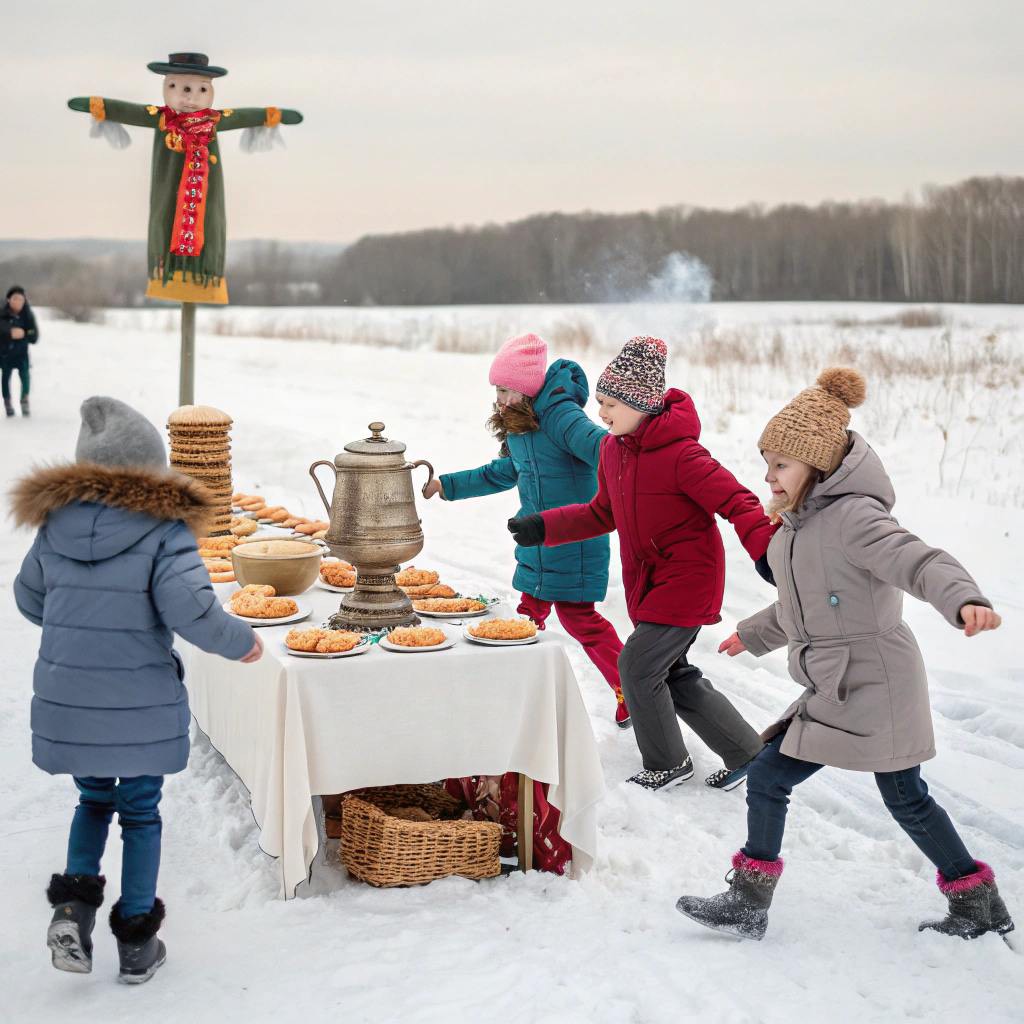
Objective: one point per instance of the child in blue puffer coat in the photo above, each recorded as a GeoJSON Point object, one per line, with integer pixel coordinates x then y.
{"type": "Point", "coordinates": [113, 574]}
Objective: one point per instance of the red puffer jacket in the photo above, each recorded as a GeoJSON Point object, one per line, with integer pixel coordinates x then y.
{"type": "Point", "coordinates": [661, 490]}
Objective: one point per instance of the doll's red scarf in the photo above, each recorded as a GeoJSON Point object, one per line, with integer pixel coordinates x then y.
{"type": "Point", "coordinates": [190, 134]}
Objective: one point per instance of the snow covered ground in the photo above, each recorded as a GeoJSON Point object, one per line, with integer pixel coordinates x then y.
{"type": "Point", "coordinates": [945, 413]}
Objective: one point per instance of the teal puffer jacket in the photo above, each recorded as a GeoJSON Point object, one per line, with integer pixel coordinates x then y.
{"type": "Point", "coordinates": [553, 466]}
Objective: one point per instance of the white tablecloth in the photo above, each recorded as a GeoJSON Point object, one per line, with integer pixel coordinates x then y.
{"type": "Point", "coordinates": [294, 728]}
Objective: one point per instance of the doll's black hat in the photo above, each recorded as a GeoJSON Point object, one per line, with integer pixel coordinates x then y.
{"type": "Point", "coordinates": [187, 64]}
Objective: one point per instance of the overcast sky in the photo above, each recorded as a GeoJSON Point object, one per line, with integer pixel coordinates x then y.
{"type": "Point", "coordinates": [441, 112]}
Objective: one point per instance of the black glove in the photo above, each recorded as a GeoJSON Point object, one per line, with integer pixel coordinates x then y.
{"type": "Point", "coordinates": [764, 570]}
{"type": "Point", "coordinates": [528, 531]}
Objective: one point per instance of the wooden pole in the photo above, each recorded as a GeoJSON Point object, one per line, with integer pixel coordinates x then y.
{"type": "Point", "coordinates": [187, 372]}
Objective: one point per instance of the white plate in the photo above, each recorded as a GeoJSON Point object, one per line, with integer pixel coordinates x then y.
{"type": "Point", "coordinates": [399, 649]}
{"type": "Point", "coordinates": [304, 609]}
{"type": "Point", "coordinates": [499, 643]}
{"type": "Point", "coordinates": [323, 585]}
{"type": "Point", "coordinates": [361, 648]}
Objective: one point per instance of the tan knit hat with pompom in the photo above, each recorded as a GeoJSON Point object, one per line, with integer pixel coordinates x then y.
{"type": "Point", "coordinates": [812, 428]}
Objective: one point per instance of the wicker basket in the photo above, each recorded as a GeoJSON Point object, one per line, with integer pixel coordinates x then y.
{"type": "Point", "coordinates": [388, 851]}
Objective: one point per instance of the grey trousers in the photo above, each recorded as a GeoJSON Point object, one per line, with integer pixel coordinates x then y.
{"type": "Point", "coordinates": [660, 684]}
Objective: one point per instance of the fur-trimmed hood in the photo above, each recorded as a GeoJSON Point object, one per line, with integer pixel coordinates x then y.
{"type": "Point", "coordinates": [125, 503]}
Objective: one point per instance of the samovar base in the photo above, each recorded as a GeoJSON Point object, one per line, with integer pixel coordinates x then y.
{"type": "Point", "coordinates": [377, 603]}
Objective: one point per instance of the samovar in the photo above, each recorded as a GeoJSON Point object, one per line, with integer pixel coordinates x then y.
{"type": "Point", "coordinates": [374, 526]}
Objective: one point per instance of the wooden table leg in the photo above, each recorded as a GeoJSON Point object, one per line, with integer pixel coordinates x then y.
{"type": "Point", "coordinates": [525, 824]}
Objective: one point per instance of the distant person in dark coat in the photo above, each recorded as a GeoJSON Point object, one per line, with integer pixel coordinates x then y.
{"type": "Point", "coordinates": [17, 331]}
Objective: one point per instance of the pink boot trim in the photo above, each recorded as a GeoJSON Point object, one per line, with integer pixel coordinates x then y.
{"type": "Point", "coordinates": [771, 868]}
{"type": "Point", "coordinates": [984, 875]}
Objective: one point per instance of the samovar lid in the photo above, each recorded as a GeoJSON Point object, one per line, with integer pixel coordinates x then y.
{"type": "Point", "coordinates": [376, 444]}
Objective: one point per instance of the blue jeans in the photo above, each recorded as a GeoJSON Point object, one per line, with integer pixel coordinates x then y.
{"type": "Point", "coordinates": [135, 801]}
{"type": "Point", "coordinates": [773, 775]}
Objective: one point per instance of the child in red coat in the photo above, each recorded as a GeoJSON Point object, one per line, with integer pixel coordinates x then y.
{"type": "Point", "coordinates": [661, 489]}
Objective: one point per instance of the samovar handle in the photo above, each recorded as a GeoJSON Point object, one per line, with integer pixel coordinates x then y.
{"type": "Point", "coordinates": [312, 473]}
{"type": "Point", "coordinates": [423, 462]}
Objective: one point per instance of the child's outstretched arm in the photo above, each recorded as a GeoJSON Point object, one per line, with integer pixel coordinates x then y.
{"type": "Point", "coordinates": [871, 539]}
{"type": "Point", "coordinates": [759, 634]}
{"type": "Point", "coordinates": [187, 603]}
{"type": "Point", "coordinates": [703, 479]}
{"type": "Point", "coordinates": [29, 588]}
{"type": "Point", "coordinates": [580, 522]}
{"type": "Point", "coordinates": [499, 475]}
{"type": "Point", "coordinates": [574, 432]}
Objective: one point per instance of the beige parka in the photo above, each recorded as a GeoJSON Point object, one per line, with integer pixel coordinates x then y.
{"type": "Point", "coordinates": [841, 564]}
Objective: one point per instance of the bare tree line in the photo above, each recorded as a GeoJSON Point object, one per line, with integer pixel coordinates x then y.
{"type": "Point", "coordinates": [957, 243]}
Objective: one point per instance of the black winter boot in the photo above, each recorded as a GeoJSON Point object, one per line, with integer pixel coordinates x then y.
{"type": "Point", "coordinates": [25, 410]}
{"type": "Point", "coordinates": [138, 947]}
{"type": "Point", "coordinates": [8, 408]}
{"type": "Point", "coordinates": [743, 908]}
{"type": "Point", "coordinates": [975, 906]}
{"type": "Point", "coordinates": [75, 900]}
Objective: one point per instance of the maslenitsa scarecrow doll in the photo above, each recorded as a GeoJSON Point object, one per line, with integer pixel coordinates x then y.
{"type": "Point", "coordinates": [187, 231]}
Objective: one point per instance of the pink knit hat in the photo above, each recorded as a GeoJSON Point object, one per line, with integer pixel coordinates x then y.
{"type": "Point", "coordinates": [521, 365]}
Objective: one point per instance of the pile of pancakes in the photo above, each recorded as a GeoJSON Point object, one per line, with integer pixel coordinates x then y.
{"type": "Point", "coordinates": [261, 602]}
{"type": "Point", "coordinates": [201, 448]}
{"type": "Point", "coordinates": [504, 629]}
{"type": "Point", "coordinates": [420, 583]}
{"type": "Point", "coordinates": [216, 555]}
{"type": "Point", "coordinates": [323, 641]}
{"type": "Point", "coordinates": [417, 636]}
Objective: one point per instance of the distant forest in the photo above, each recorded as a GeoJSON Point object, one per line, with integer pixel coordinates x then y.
{"type": "Point", "coordinates": [956, 243]}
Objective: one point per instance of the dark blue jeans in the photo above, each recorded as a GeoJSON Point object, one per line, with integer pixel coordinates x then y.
{"type": "Point", "coordinates": [773, 775]}
{"type": "Point", "coordinates": [136, 801]}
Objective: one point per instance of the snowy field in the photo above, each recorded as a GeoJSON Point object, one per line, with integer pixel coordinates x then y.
{"type": "Point", "coordinates": [945, 411]}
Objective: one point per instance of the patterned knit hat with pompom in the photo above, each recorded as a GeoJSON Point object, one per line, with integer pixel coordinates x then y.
{"type": "Point", "coordinates": [812, 428]}
{"type": "Point", "coordinates": [636, 376]}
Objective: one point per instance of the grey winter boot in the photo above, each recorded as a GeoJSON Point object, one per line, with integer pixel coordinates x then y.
{"type": "Point", "coordinates": [75, 900]}
{"type": "Point", "coordinates": [743, 908]}
{"type": "Point", "coordinates": [975, 906]}
{"type": "Point", "coordinates": [140, 951]}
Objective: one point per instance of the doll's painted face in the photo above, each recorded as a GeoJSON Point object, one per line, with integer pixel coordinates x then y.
{"type": "Point", "coordinates": [185, 94]}
{"type": "Point", "coordinates": [619, 418]}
